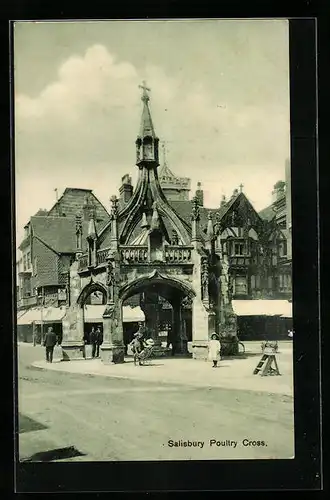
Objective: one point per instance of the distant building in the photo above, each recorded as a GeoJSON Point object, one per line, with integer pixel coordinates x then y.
{"type": "Point", "coordinates": [175, 188]}
{"type": "Point", "coordinates": [279, 214]}
{"type": "Point", "coordinates": [46, 252]}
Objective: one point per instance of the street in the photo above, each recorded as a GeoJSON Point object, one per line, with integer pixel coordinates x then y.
{"type": "Point", "coordinates": [94, 418]}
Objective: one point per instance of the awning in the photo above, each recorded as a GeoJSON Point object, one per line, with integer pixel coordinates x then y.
{"type": "Point", "coordinates": [29, 316]}
{"type": "Point", "coordinates": [51, 315]}
{"type": "Point", "coordinates": [132, 314]}
{"type": "Point", "coordinates": [38, 316]}
{"type": "Point", "coordinates": [260, 307]}
{"type": "Point", "coordinates": [94, 313]}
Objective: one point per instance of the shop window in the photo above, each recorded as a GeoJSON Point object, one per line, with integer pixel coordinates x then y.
{"type": "Point", "coordinates": [240, 285]}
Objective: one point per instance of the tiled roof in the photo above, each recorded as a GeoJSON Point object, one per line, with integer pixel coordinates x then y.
{"type": "Point", "coordinates": [72, 201]}
{"type": "Point", "coordinates": [267, 213]}
{"type": "Point", "coordinates": [58, 233]}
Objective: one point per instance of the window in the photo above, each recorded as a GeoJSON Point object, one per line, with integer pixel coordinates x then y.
{"type": "Point", "coordinates": [35, 269]}
{"type": "Point", "coordinates": [28, 260]}
{"type": "Point", "coordinates": [240, 285]}
{"type": "Point", "coordinates": [238, 248]}
{"type": "Point", "coordinates": [282, 248]}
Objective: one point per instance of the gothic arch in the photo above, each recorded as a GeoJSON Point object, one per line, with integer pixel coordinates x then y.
{"type": "Point", "coordinates": [93, 286]}
{"type": "Point", "coordinates": [155, 277]}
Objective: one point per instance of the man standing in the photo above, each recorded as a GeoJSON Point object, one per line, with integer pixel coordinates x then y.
{"type": "Point", "coordinates": [171, 340]}
{"type": "Point", "coordinates": [93, 341]}
{"type": "Point", "coordinates": [99, 341]}
{"type": "Point", "coordinates": [49, 343]}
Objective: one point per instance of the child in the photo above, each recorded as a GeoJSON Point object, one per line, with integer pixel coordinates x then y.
{"type": "Point", "coordinates": [214, 350]}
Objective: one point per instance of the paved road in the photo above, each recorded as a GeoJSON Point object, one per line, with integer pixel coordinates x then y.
{"type": "Point", "coordinates": [118, 419]}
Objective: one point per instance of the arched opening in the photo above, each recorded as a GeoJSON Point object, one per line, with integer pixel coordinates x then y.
{"type": "Point", "coordinates": [167, 308]}
{"type": "Point", "coordinates": [92, 301]}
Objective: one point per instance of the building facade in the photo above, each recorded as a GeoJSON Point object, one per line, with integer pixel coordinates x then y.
{"type": "Point", "coordinates": [45, 255]}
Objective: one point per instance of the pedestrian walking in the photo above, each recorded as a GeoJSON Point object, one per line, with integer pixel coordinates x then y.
{"type": "Point", "coordinates": [99, 341]}
{"type": "Point", "coordinates": [93, 341]}
{"type": "Point", "coordinates": [50, 342]}
{"type": "Point", "coordinates": [214, 350]}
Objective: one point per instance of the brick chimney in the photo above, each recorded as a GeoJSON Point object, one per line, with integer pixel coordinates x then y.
{"type": "Point", "coordinates": [199, 195]}
{"type": "Point", "coordinates": [126, 189]}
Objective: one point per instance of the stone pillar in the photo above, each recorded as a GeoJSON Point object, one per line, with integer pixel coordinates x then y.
{"type": "Point", "coordinates": [73, 321]}
{"type": "Point", "coordinates": [179, 330]}
{"type": "Point", "coordinates": [113, 348]}
{"type": "Point", "coordinates": [201, 323]}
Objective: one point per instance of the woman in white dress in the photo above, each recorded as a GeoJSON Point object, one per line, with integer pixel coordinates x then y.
{"type": "Point", "coordinates": [214, 350]}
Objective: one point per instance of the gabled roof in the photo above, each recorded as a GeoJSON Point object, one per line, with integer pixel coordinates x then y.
{"type": "Point", "coordinates": [73, 200]}
{"type": "Point", "coordinates": [184, 210]}
{"type": "Point", "coordinates": [59, 233]}
{"type": "Point", "coordinates": [267, 213]}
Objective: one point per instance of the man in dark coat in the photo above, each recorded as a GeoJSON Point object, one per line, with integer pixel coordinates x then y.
{"type": "Point", "coordinates": [49, 343]}
{"type": "Point", "coordinates": [99, 341]}
{"type": "Point", "coordinates": [93, 341]}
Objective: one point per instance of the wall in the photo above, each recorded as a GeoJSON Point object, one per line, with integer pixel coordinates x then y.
{"type": "Point", "coordinates": [46, 268]}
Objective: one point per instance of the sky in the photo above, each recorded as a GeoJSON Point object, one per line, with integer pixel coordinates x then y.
{"type": "Point", "coordinates": [219, 99]}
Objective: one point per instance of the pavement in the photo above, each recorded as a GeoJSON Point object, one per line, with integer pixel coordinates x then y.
{"type": "Point", "coordinates": [233, 373]}
{"type": "Point", "coordinates": [123, 412]}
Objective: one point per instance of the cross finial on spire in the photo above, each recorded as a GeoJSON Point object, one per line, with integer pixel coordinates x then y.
{"type": "Point", "coordinates": [241, 188]}
{"type": "Point", "coordinates": [145, 96]}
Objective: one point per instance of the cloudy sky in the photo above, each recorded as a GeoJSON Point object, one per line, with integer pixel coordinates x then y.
{"type": "Point", "coordinates": [219, 99]}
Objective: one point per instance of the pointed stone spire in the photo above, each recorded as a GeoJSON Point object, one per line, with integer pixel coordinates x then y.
{"type": "Point", "coordinates": [195, 210]}
{"type": "Point", "coordinates": [114, 206]}
{"type": "Point", "coordinates": [146, 127]}
{"type": "Point", "coordinates": [155, 217]}
{"type": "Point", "coordinates": [91, 238]}
{"type": "Point", "coordinates": [92, 232]}
{"type": "Point", "coordinates": [147, 141]}
{"type": "Point", "coordinates": [195, 216]}
{"type": "Point", "coordinates": [210, 231]}
{"type": "Point", "coordinates": [144, 222]}
{"type": "Point", "coordinates": [78, 234]}
{"type": "Point", "coordinates": [114, 220]}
